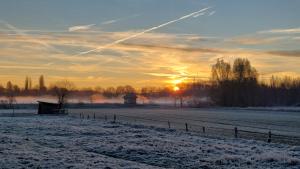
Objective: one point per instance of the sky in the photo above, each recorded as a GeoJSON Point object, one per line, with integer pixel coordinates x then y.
{"type": "Point", "coordinates": [144, 42]}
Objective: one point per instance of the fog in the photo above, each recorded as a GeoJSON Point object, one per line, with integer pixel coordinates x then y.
{"type": "Point", "coordinates": [98, 99]}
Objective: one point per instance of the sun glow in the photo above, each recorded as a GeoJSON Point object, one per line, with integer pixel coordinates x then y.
{"type": "Point", "coordinates": [177, 81]}
{"type": "Point", "coordinates": [176, 88]}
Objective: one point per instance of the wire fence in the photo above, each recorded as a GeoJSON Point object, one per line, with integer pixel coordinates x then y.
{"type": "Point", "coordinates": [203, 128]}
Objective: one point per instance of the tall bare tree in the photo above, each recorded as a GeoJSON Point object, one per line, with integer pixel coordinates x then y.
{"type": "Point", "coordinates": [42, 86]}
{"type": "Point", "coordinates": [10, 94]}
{"type": "Point", "coordinates": [26, 86]}
{"type": "Point", "coordinates": [236, 86]}
{"type": "Point", "coordinates": [221, 71]}
{"type": "Point", "coordinates": [62, 90]}
{"type": "Point", "coordinates": [242, 70]}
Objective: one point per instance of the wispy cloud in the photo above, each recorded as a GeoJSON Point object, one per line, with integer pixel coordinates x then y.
{"type": "Point", "coordinates": [254, 40]}
{"type": "Point", "coordinates": [291, 53]}
{"type": "Point", "coordinates": [29, 37]}
{"type": "Point", "coordinates": [88, 27]}
{"type": "Point", "coordinates": [282, 31]}
{"type": "Point", "coordinates": [109, 22]}
{"type": "Point", "coordinates": [81, 27]}
{"type": "Point", "coordinates": [216, 51]}
{"type": "Point", "coordinates": [120, 19]}
{"type": "Point", "coordinates": [296, 38]}
{"type": "Point", "coordinates": [22, 67]}
{"type": "Point", "coordinates": [155, 56]}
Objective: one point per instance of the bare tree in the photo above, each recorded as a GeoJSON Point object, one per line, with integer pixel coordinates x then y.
{"type": "Point", "coordinates": [26, 87]}
{"type": "Point", "coordinates": [29, 84]}
{"type": "Point", "coordinates": [242, 70]}
{"type": "Point", "coordinates": [10, 94]}
{"type": "Point", "coordinates": [234, 85]}
{"type": "Point", "coordinates": [221, 71]}
{"type": "Point", "coordinates": [62, 90]}
{"type": "Point", "coordinates": [42, 86]}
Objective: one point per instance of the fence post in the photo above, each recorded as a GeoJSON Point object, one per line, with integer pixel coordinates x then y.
{"type": "Point", "coordinates": [203, 129]}
{"type": "Point", "coordinates": [80, 115]}
{"type": "Point", "coordinates": [235, 132]}
{"type": "Point", "coordinates": [115, 118]}
{"type": "Point", "coordinates": [105, 117]}
{"type": "Point", "coordinates": [186, 127]}
{"type": "Point", "coordinates": [94, 116]}
{"type": "Point", "coordinates": [88, 117]}
{"type": "Point", "coordinates": [169, 124]}
{"type": "Point", "coordinates": [269, 137]}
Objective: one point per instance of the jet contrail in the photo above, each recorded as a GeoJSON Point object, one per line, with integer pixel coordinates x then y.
{"type": "Point", "coordinates": [199, 14]}
{"type": "Point", "coordinates": [211, 13]}
{"type": "Point", "coordinates": [143, 32]}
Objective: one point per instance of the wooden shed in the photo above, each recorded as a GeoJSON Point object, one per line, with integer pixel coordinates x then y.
{"type": "Point", "coordinates": [130, 99]}
{"type": "Point", "coordinates": [50, 108]}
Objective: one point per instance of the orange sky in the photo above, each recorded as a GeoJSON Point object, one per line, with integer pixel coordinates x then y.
{"type": "Point", "coordinates": [175, 48]}
{"type": "Point", "coordinates": [135, 63]}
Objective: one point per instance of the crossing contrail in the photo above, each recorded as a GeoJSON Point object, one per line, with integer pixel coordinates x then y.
{"type": "Point", "coordinates": [143, 32]}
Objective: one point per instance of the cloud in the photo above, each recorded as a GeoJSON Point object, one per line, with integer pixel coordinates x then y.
{"type": "Point", "coordinates": [296, 38]}
{"type": "Point", "coordinates": [109, 22]}
{"type": "Point", "coordinates": [282, 31]}
{"type": "Point", "coordinates": [23, 67]}
{"type": "Point", "coordinates": [120, 19]}
{"type": "Point", "coordinates": [208, 50]}
{"type": "Point", "coordinates": [29, 37]}
{"type": "Point", "coordinates": [171, 48]}
{"type": "Point", "coordinates": [256, 40]}
{"type": "Point", "coordinates": [88, 27]}
{"type": "Point", "coordinates": [157, 57]}
{"type": "Point", "coordinates": [155, 41]}
{"type": "Point", "coordinates": [81, 28]}
{"type": "Point", "coordinates": [290, 53]}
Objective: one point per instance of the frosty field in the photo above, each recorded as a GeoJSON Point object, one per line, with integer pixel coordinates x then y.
{"type": "Point", "coordinates": [282, 121]}
{"type": "Point", "coordinates": [68, 142]}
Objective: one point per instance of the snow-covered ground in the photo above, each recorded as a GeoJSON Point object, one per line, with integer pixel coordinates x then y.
{"type": "Point", "coordinates": [67, 142]}
{"type": "Point", "coordinates": [279, 122]}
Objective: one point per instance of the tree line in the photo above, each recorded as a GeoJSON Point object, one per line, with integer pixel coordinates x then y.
{"type": "Point", "coordinates": [238, 85]}
{"type": "Point", "coordinates": [108, 92]}
{"type": "Point", "coordinates": [235, 85]}
{"type": "Point", "coordinates": [28, 88]}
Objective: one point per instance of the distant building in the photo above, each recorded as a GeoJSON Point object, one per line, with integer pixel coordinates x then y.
{"type": "Point", "coordinates": [130, 99]}
{"type": "Point", "coordinates": [50, 108]}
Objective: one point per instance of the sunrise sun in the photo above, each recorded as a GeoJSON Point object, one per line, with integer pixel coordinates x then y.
{"type": "Point", "coordinates": [176, 88]}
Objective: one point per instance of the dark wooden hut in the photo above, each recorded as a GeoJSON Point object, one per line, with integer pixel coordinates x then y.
{"type": "Point", "coordinates": [50, 108]}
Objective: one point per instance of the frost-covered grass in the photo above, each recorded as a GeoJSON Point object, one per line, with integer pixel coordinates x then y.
{"type": "Point", "coordinates": [281, 123]}
{"type": "Point", "coordinates": [66, 142]}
